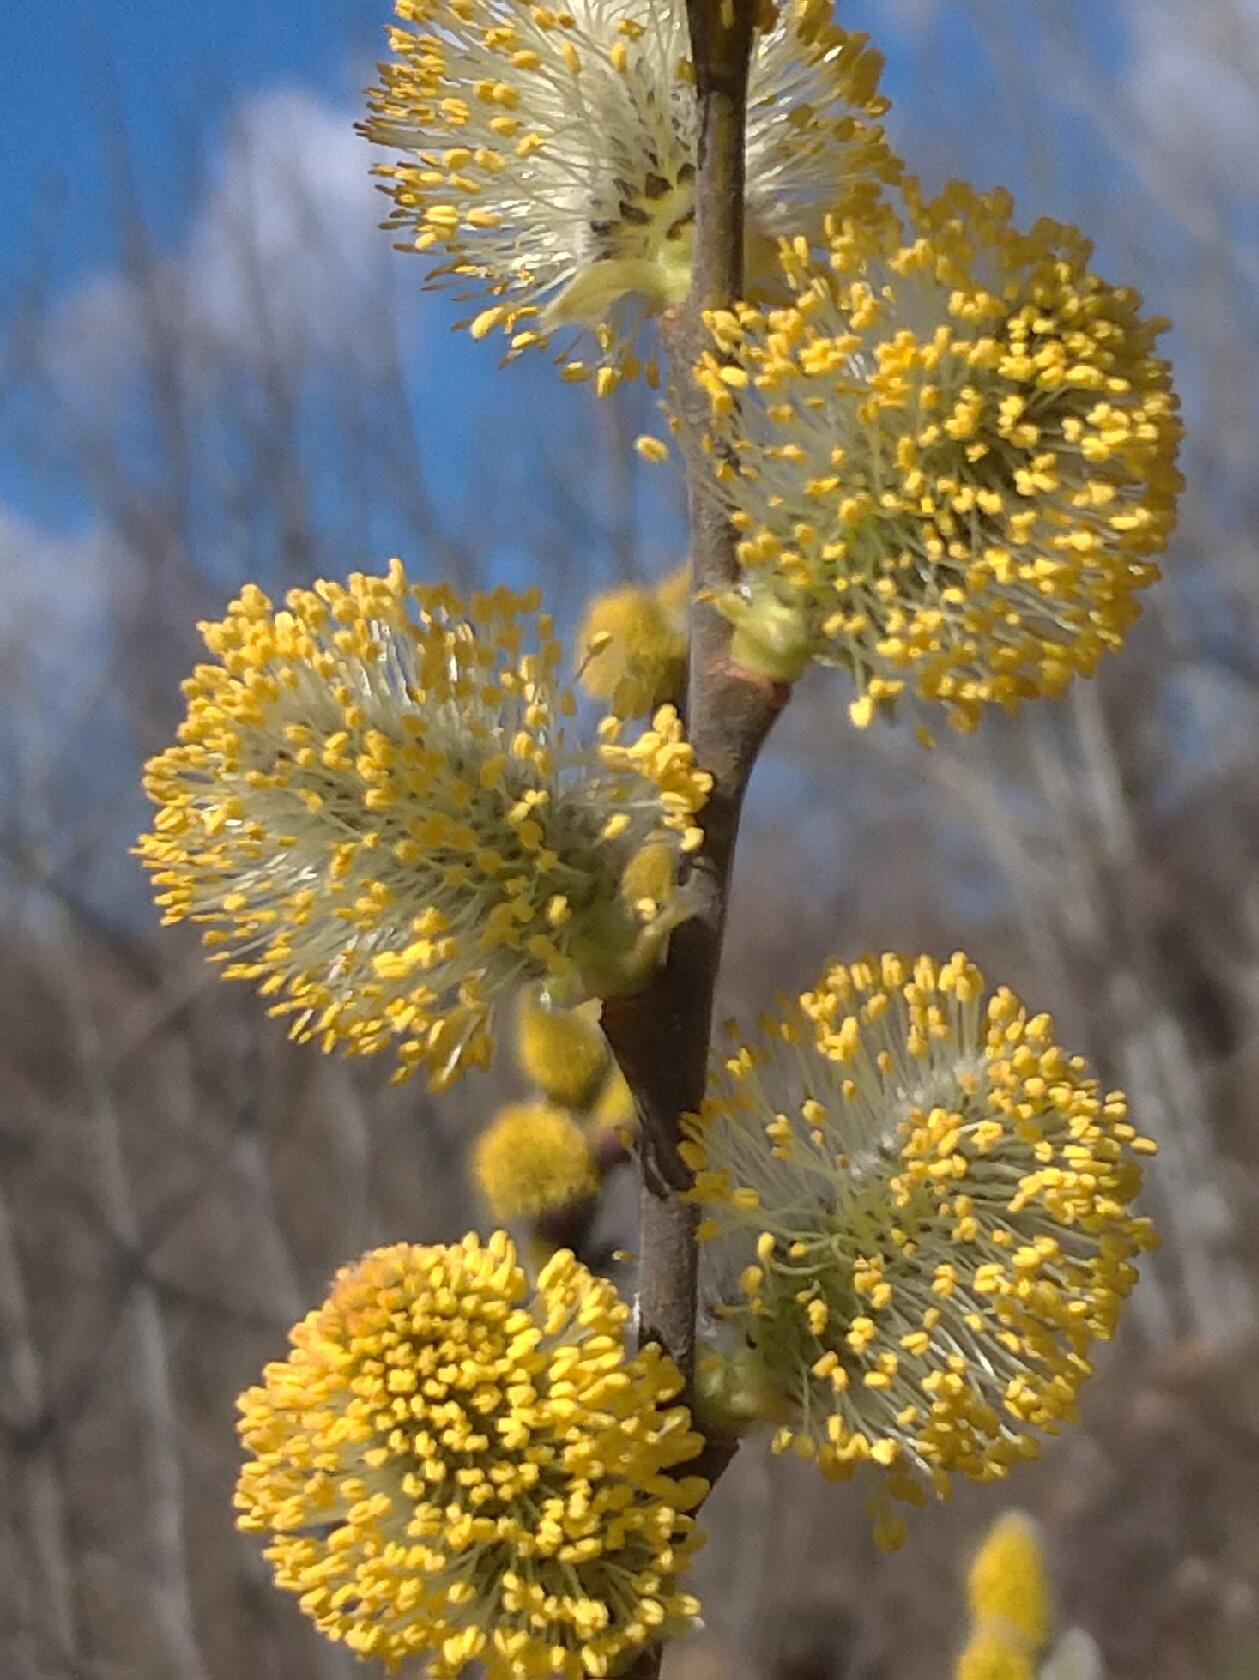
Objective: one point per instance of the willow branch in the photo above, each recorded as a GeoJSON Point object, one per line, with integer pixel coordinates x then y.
{"type": "Point", "coordinates": [661, 1036]}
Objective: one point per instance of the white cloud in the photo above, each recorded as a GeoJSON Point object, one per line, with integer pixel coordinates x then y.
{"type": "Point", "coordinates": [283, 255]}
{"type": "Point", "coordinates": [51, 587]}
{"type": "Point", "coordinates": [291, 228]}
{"type": "Point", "coordinates": [55, 596]}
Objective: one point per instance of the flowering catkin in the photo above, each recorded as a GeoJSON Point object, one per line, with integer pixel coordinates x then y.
{"type": "Point", "coordinates": [1008, 1585]}
{"type": "Point", "coordinates": [377, 814]}
{"type": "Point", "coordinates": [452, 1465]}
{"type": "Point", "coordinates": [991, 1656]}
{"type": "Point", "coordinates": [951, 460]}
{"type": "Point", "coordinates": [550, 157]}
{"type": "Point", "coordinates": [633, 650]}
{"type": "Point", "coordinates": [534, 1159]}
{"type": "Point", "coordinates": [933, 1201]}
{"type": "Point", "coordinates": [561, 1051]}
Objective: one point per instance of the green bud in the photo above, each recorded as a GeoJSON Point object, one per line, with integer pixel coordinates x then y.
{"type": "Point", "coordinates": [770, 637]}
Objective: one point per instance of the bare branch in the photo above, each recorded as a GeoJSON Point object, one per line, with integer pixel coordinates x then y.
{"type": "Point", "coordinates": [661, 1037]}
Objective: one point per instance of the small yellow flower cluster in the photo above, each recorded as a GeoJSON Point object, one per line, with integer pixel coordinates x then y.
{"type": "Point", "coordinates": [449, 1465]}
{"type": "Point", "coordinates": [991, 1656]}
{"type": "Point", "coordinates": [633, 646]}
{"type": "Point", "coordinates": [534, 1159]}
{"type": "Point", "coordinates": [563, 1051]}
{"type": "Point", "coordinates": [951, 460]}
{"type": "Point", "coordinates": [1012, 1614]}
{"type": "Point", "coordinates": [1008, 1585]}
{"type": "Point", "coordinates": [550, 156]}
{"type": "Point", "coordinates": [548, 1156]}
{"type": "Point", "coordinates": [376, 813]}
{"type": "Point", "coordinates": [664, 758]}
{"type": "Point", "coordinates": [613, 1113]}
{"type": "Point", "coordinates": [935, 1202]}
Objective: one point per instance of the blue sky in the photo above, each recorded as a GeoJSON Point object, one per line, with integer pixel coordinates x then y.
{"type": "Point", "coordinates": [68, 67]}
{"type": "Point", "coordinates": [176, 76]}
{"type": "Point", "coordinates": [170, 74]}
{"type": "Point", "coordinates": [87, 83]}
{"type": "Point", "coordinates": [173, 69]}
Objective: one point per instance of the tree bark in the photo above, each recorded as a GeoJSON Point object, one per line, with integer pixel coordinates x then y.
{"type": "Point", "coordinates": [661, 1036]}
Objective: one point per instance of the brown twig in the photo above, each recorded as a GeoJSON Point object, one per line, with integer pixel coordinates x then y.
{"type": "Point", "coordinates": [661, 1037]}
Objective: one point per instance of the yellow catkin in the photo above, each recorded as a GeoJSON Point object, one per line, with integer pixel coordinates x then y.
{"type": "Point", "coordinates": [648, 876]}
{"type": "Point", "coordinates": [548, 159]}
{"type": "Point", "coordinates": [376, 813]}
{"type": "Point", "coordinates": [562, 1051]}
{"type": "Point", "coordinates": [1008, 1584]}
{"type": "Point", "coordinates": [939, 1202]}
{"type": "Point", "coordinates": [633, 657]}
{"type": "Point", "coordinates": [533, 1159]}
{"type": "Point", "coordinates": [674, 595]}
{"type": "Point", "coordinates": [614, 1108]}
{"type": "Point", "coordinates": [454, 1467]}
{"type": "Point", "coordinates": [989, 1656]}
{"type": "Point", "coordinates": [951, 460]}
